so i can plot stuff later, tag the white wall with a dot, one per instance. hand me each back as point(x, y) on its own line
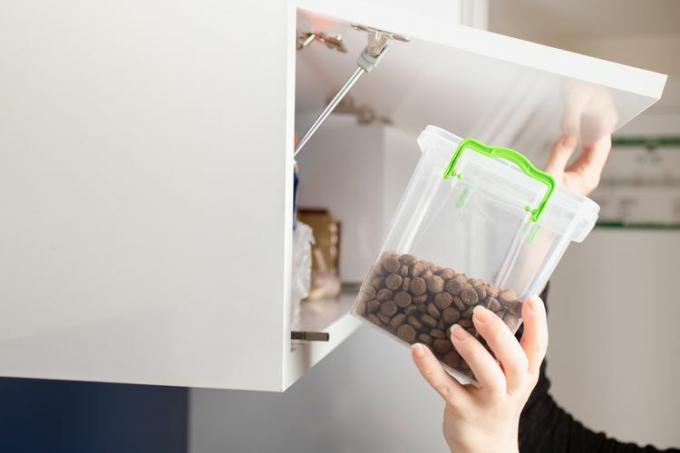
point(614, 351)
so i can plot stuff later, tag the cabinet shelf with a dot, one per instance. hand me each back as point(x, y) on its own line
point(330, 316)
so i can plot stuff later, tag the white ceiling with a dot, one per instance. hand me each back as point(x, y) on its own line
point(546, 20)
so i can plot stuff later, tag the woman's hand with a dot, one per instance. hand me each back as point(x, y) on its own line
point(486, 419)
point(583, 175)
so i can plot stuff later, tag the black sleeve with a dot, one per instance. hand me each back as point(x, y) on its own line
point(546, 427)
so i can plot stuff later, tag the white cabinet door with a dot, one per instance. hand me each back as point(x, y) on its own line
point(144, 190)
point(146, 170)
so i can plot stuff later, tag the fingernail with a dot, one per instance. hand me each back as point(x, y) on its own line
point(418, 350)
point(481, 315)
point(459, 333)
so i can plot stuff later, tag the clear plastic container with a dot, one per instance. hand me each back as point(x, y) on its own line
point(476, 225)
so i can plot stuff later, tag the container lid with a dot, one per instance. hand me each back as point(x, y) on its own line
point(566, 213)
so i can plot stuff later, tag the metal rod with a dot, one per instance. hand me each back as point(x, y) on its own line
point(329, 108)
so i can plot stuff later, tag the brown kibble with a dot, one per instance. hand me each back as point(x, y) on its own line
point(374, 319)
point(427, 275)
point(491, 290)
point(450, 315)
point(407, 259)
point(428, 320)
point(391, 264)
point(441, 325)
point(465, 323)
point(452, 359)
point(420, 299)
point(368, 293)
point(410, 310)
point(378, 283)
point(453, 286)
point(433, 311)
point(406, 283)
point(441, 346)
point(383, 317)
point(418, 269)
point(514, 307)
point(406, 333)
point(494, 305)
point(415, 322)
point(418, 286)
point(467, 314)
point(446, 273)
point(402, 299)
point(480, 289)
point(469, 296)
point(435, 284)
point(384, 294)
point(458, 302)
point(425, 339)
point(437, 333)
point(393, 282)
point(506, 296)
point(388, 308)
point(421, 309)
point(398, 320)
point(403, 271)
point(443, 300)
point(372, 306)
point(511, 320)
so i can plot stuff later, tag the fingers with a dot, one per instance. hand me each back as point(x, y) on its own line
point(559, 155)
point(535, 338)
point(587, 169)
point(504, 345)
point(452, 392)
point(483, 365)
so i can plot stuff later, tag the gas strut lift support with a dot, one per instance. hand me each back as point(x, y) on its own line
point(368, 59)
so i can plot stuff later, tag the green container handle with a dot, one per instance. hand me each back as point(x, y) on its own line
point(513, 156)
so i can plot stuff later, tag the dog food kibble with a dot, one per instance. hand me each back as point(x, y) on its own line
point(425, 339)
point(441, 346)
point(469, 296)
point(384, 294)
point(398, 320)
point(443, 300)
point(435, 284)
point(420, 301)
point(402, 299)
point(407, 333)
point(372, 306)
point(393, 282)
point(415, 322)
point(450, 316)
point(388, 308)
point(391, 264)
point(433, 311)
point(437, 333)
point(418, 286)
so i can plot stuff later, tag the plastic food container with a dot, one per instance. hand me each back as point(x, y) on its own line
point(476, 225)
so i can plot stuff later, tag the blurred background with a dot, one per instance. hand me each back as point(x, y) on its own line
point(613, 306)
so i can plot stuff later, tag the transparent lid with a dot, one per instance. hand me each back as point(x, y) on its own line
point(566, 213)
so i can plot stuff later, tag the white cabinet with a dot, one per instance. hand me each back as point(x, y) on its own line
point(146, 156)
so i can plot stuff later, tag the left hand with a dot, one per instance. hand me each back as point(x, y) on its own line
point(582, 176)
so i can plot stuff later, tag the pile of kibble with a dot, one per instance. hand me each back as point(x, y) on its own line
point(419, 301)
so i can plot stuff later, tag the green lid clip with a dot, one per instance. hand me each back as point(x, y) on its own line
point(513, 156)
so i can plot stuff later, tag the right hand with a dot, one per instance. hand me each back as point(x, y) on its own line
point(486, 419)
